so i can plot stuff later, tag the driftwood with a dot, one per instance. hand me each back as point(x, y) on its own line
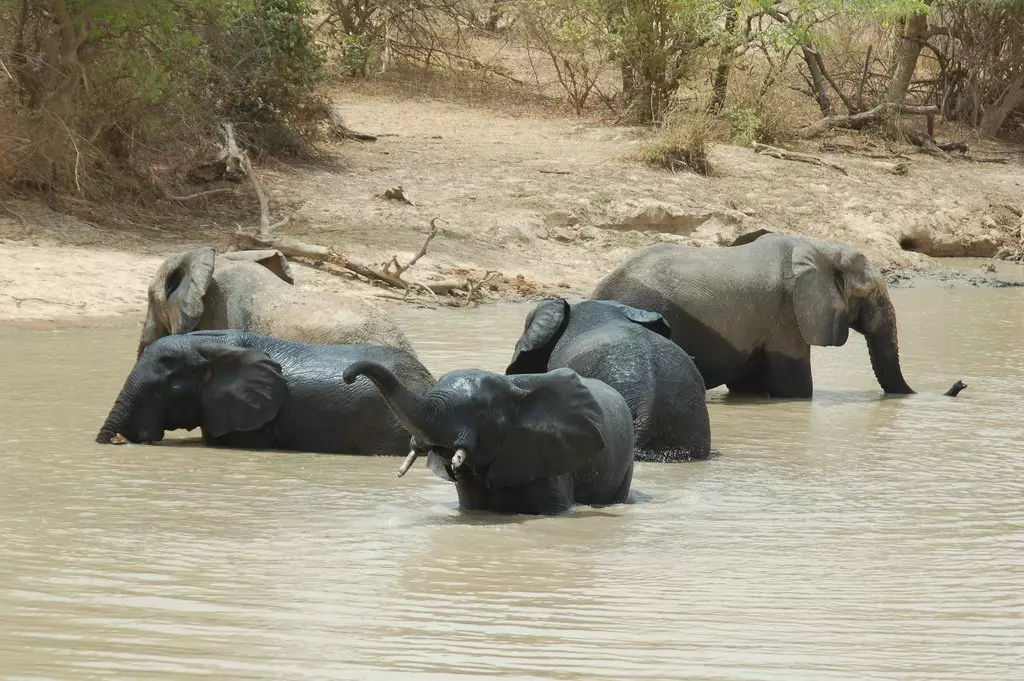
point(397, 194)
point(787, 155)
point(390, 273)
point(864, 118)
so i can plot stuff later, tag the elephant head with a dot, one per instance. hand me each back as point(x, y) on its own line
point(547, 322)
point(182, 383)
point(502, 431)
point(177, 290)
point(834, 289)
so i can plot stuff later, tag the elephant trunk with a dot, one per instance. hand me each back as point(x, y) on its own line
point(118, 415)
point(418, 414)
point(879, 328)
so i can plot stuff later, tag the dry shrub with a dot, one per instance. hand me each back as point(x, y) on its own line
point(683, 142)
point(771, 114)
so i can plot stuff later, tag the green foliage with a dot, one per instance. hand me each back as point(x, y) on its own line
point(101, 85)
point(682, 143)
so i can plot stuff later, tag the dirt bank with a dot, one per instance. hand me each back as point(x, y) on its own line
point(556, 202)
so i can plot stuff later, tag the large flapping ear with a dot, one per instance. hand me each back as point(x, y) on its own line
point(178, 288)
point(819, 298)
point(749, 236)
point(557, 429)
point(270, 258)
point(645, 318)
point(544, 327)
point(243, 390)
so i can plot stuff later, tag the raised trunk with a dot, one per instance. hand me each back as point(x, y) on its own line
point(879, 328)
point(418, 414)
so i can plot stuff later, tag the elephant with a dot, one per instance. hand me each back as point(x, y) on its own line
point(252, 291)
point(252, 391)
point(749, 313)
point(531, 443)
point(631, 350)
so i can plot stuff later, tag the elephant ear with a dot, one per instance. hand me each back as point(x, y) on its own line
point(178, 288)
point(557, 430)
point(243, 389)
point(749, 237)
point(819, 300)
point(272, 259)
point(544, 327)
point(645, 318)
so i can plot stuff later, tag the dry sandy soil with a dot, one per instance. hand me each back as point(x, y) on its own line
point(554, 201)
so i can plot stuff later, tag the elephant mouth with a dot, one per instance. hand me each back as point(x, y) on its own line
point(454, 457)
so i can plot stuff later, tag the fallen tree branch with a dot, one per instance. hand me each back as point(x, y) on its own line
point(399, 268)
point(234, 153)
point(860, 120)
point(292, 248)
point(786, 155)
point(474, 286)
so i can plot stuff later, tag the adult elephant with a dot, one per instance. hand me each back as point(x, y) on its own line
point(253, 291)
point(515, 444)
point(748, 314)
point(630, 350)
point(256, 392)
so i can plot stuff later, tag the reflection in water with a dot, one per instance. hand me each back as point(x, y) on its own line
point(846, 537)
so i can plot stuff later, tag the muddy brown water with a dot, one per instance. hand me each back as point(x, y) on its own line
point(849, 537)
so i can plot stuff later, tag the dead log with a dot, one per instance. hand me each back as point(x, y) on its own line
point(860, 120)
point(786, 155)
point(338, 128)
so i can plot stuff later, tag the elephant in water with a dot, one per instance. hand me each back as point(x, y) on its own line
point(630, 350)
point(533, 444)
point(255, 392)
point(749, 313)
point(253, 291)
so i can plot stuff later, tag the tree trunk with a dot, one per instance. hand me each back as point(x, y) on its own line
point(720, 83)
point(996, 114)
point(817, 79)
point(915, 30)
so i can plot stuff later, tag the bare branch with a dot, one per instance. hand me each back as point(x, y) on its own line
point(786, 155)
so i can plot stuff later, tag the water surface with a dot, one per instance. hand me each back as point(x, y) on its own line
point(847, 537)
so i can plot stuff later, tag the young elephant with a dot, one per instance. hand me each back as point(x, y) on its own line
point(516, 444)
point(631, 350)
point(252, 291)
point(256, 392)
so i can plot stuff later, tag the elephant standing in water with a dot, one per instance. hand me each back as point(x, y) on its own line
point(516, 444)
point(253, 291)
point(749, 313)
point(255, 392)
point(630, 350)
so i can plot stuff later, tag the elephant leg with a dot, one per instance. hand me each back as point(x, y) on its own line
point(788, 370)
point(752, 379)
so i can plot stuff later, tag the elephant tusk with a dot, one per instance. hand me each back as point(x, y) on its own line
point(407, 464)
point(459, 458)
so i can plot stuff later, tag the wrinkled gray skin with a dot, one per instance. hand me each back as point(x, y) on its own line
point(749, 314)
point(630, 350)
point(533, 443)
point(252, 391)
point(253, 291)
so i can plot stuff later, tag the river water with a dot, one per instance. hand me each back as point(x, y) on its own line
point(848, 537)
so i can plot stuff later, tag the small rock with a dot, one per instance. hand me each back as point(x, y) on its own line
point(902, 169)
point(397, 194)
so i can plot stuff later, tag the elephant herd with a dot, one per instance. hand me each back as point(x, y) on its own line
point(229, 345)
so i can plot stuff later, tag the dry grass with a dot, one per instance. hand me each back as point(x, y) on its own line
point(771, 115)
point(682, 143)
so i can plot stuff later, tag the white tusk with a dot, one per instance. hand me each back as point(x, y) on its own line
point(407, 464)
point(459, 458)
